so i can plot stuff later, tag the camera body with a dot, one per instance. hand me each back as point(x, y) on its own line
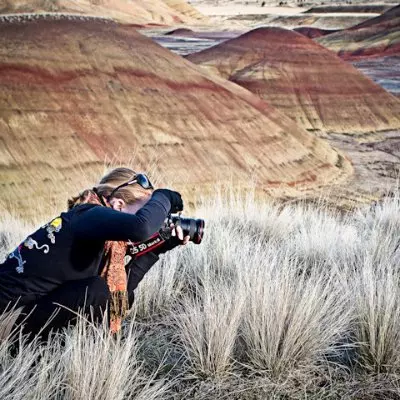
point(194, 228)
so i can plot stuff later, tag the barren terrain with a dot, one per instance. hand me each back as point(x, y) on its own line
point(377, 37)
point(251, 13)
point(132, 12)
point(376, 162)
point(305, 81)
point(374, 157)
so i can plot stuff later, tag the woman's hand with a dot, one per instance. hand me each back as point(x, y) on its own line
point(174, 198)
point(176, 239)
point(177, 231)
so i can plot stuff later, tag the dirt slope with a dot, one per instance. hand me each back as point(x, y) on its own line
point(376, 37)
point(307, 82)
point(137, 11)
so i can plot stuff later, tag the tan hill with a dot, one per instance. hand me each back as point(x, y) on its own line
point(215, 35)
point(388, 19)
point(181, 32)
point(376, 37)
point(184, 8)
point(167, 12)
point(304, 80)
point(312, 32)
point(76, 93)
point(350, 8)
point(323, 21)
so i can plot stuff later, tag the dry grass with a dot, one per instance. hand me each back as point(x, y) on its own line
point(277, 302)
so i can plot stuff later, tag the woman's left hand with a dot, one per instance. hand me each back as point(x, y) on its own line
point(177, 231)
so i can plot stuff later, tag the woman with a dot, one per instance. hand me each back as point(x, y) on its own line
point(76, 261)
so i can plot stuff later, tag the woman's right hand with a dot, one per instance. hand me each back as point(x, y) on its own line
point(174, 198)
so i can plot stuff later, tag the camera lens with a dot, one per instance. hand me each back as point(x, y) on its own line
point(194, 228)
point(198, 235)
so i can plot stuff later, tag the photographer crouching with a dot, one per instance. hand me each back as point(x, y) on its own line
point(76, 262)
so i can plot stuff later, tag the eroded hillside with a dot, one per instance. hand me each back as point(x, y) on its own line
point(305, 81)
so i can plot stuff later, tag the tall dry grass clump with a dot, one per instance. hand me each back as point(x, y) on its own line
point(81, 363)
point(279, 301)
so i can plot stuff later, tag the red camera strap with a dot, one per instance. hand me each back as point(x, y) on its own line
point(139, 248)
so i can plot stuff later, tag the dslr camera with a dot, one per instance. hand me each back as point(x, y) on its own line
point(194, 228)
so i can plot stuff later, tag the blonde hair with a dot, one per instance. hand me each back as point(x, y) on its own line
point(117, 176)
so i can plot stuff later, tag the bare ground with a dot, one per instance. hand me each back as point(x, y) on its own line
point(376, 163)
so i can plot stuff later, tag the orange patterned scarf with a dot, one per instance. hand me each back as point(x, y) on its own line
point(114, 269)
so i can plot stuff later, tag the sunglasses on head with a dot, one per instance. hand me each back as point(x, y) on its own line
point(140, 179)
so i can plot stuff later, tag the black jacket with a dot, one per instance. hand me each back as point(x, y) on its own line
point(70, 247)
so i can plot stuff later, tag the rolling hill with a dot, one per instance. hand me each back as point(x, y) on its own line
point(168, 12)
point(376, 37)
point(305, 81)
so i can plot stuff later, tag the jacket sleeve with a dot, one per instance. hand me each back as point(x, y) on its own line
point(137, 268)
point(102, 223)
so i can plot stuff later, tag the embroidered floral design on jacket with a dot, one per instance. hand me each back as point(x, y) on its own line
point(31, 243)
point(53, 227)
point(17, 255)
